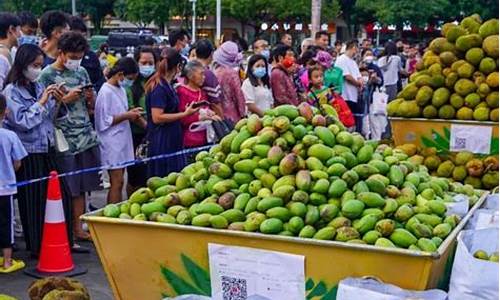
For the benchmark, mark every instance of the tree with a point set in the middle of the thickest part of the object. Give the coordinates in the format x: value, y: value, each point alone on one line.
x: 96, y: 10
x: 398, y: 12
x: 487, y: 9
x: 143, y: 12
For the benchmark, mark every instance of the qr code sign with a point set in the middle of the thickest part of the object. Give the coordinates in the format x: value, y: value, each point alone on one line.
x: 460, y: 143
x: 234, y: 288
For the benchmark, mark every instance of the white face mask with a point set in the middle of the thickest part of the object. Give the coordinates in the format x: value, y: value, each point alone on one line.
x: 369, y: 59
x: 32, y: 73
x: 72, y: 64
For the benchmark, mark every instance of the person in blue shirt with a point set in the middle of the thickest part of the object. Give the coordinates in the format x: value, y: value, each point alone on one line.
x: 32, y: 110
x: 11, y: 153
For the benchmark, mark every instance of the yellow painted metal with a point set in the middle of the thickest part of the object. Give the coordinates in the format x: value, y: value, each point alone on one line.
x: 133, y: 251
x: 406, y: 130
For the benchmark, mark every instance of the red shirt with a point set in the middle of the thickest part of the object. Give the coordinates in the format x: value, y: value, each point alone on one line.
x: 186, y: 96
x: 284, y: 91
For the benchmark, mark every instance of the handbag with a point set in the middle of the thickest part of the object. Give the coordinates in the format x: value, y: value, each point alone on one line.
x: 60, y: 142
x: 222, y: 128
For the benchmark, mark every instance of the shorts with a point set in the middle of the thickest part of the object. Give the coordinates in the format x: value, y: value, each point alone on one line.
x: 6, y: 221
x: 85, y: 182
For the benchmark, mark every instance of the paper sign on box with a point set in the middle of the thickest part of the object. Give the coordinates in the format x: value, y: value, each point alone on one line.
x: 249, y: 273
x: 476, y: 139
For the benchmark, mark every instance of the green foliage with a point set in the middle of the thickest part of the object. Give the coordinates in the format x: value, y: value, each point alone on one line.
x: 399, y: 11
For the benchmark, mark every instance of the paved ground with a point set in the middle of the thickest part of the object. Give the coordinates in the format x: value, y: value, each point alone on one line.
x: 95, y: 280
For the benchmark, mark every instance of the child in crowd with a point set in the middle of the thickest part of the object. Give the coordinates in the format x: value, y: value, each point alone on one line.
x: 320, y: 94
x: 112, y: 120
x: 11, y: 153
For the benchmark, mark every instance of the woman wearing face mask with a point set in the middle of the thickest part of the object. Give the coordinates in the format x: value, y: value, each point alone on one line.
x: 113, y: 117
x: 256, y: 88
x: 31, y: 116
x: 372, y: 79
x: 164, y: 130
x: 146, y: 59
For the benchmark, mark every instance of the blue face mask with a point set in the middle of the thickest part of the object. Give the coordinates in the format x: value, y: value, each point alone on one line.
x: 126, y: 83
x: 259, y: 72
x: 27, y: 39
x: 185, y: 50
x: 266, y: 53
x: 146, y: 70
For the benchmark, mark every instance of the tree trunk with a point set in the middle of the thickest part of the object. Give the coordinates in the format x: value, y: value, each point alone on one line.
x: 315, y: 16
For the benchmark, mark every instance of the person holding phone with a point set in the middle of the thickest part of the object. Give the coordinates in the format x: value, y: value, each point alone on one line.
x: 31, y: 112
x: 113, y: 118
x: 77, y: 105
x: 191, y: 92
x: 164, y: 129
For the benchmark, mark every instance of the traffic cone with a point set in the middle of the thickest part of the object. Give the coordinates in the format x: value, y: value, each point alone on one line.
x: 55, y: 254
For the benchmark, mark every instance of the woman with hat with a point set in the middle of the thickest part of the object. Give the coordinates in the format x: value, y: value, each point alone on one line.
x: 227, y: 59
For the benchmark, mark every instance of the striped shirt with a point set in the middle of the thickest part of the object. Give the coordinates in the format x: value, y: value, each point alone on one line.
x: 211, y: 87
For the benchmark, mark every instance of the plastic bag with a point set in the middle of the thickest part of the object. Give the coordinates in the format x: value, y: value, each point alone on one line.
x: 372, y: 289
x: 459, y: 206
x: 483, y: 218
x: 378, y: 123
x: 379, y: 103
x: 204, y: 126
x: 491, y: 202
x: 473, y: 278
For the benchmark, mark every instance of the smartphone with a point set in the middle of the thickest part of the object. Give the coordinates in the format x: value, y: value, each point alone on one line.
x: 201, y: 103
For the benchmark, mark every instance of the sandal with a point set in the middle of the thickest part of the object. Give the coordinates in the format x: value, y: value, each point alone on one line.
x: 79, y: 249
x: 83, y: 237
x: 16, y: 265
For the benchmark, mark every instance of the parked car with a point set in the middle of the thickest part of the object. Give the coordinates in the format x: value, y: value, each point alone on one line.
x: 126, y: 41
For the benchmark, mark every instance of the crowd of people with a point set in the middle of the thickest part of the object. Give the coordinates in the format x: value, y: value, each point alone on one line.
x: 64, y: 107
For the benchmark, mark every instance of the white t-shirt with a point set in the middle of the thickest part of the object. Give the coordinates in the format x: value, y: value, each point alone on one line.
x: 349, y: 67
x: 390, y: 68
x: 260, y: 95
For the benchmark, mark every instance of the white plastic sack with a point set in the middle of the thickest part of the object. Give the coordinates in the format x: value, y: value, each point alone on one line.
x: 483, y: 218
x: 371, y: 289
x: 379, y: 103
x: 202, y: 126
x: 459, y: 206
x: 472, y: 278
x: 378, y: 123
x: 491, y: 202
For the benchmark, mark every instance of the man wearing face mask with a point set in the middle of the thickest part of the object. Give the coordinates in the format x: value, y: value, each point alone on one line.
x: 261, y: 47
x: 29, y: 26
x: 53, y: 24
x: 9, y: 33
x: 179, y: 39
x: 90, y: 61
x: 76, y: 125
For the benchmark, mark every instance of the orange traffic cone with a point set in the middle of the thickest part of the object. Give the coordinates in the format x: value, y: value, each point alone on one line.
x: 55, y: 254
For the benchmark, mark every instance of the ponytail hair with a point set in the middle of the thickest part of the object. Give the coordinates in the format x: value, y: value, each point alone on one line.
x: 127, y: 65
x: 170, y: 60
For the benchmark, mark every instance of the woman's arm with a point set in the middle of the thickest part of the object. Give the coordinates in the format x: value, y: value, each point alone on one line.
x: 253, y: 108
x: 159, y: 117
x: 23, y: 116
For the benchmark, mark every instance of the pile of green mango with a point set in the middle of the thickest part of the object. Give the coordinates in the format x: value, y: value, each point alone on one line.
x: 298, y: 172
